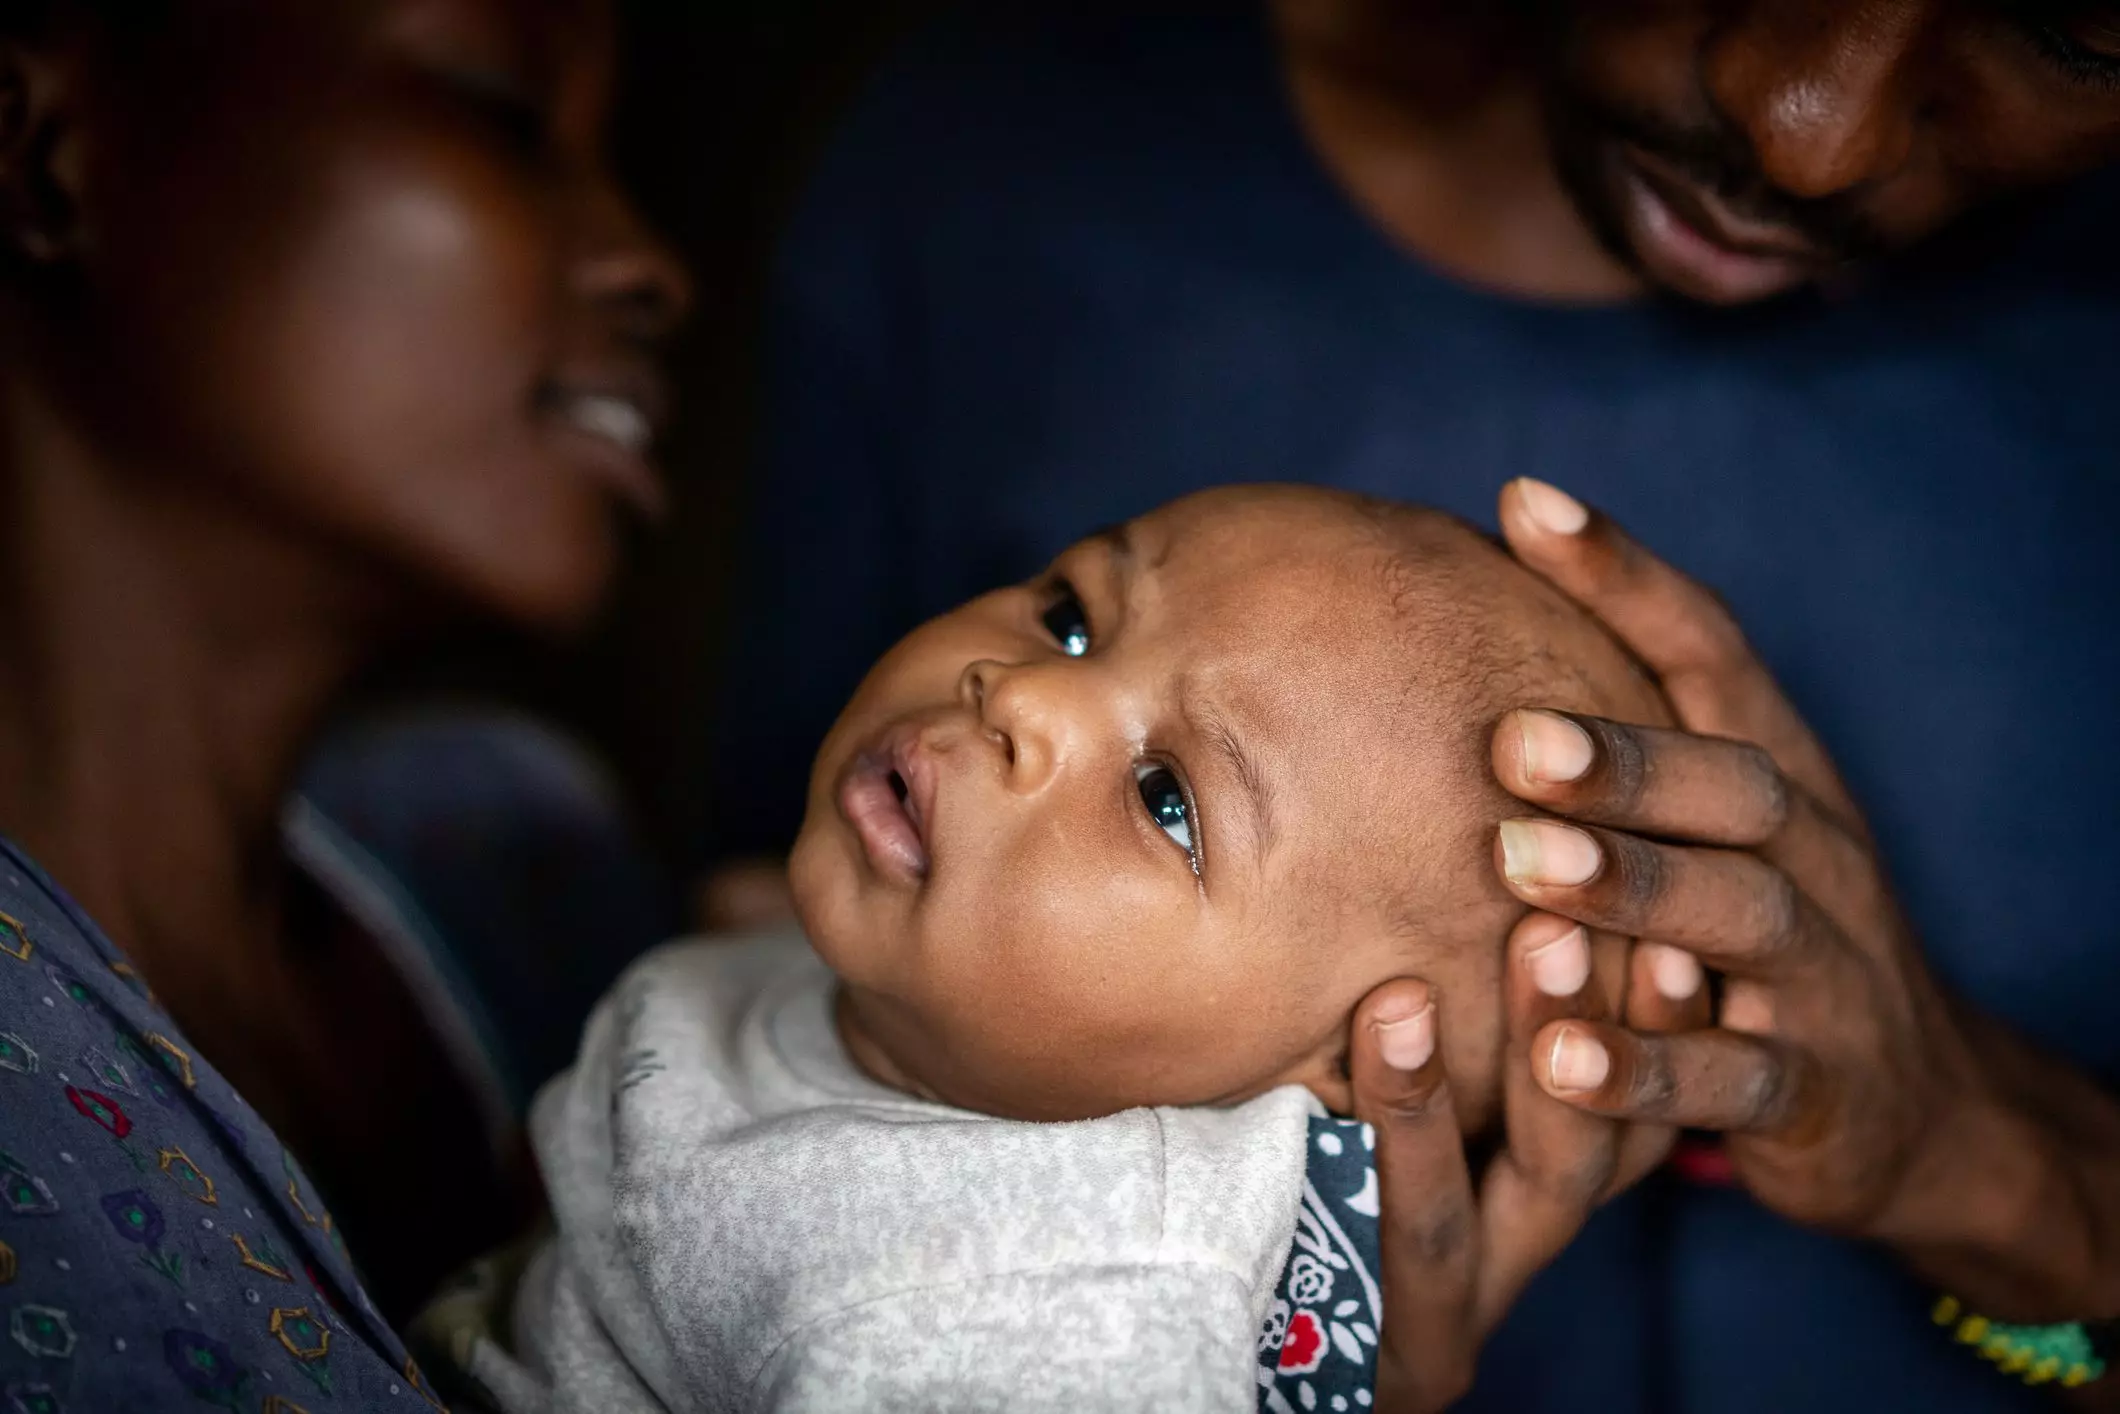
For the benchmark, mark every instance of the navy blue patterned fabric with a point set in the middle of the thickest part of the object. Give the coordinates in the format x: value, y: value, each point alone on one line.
x: 160, y: 1246
x: 1318, y: 1350
x: 159, y: 1249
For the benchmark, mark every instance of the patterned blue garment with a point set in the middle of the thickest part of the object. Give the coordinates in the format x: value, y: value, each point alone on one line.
x: 1318, y: 1350
x: 159, y: 1249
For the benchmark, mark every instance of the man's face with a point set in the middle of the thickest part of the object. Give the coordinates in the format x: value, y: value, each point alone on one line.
x: 1731, y: 151
x: 1098, y: 841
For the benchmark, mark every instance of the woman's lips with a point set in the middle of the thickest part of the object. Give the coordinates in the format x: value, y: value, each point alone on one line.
x: 887, y: 796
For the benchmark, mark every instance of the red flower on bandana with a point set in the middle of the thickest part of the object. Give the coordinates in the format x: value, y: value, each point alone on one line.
x: 102, y: 1109
x: 1303, y: 1348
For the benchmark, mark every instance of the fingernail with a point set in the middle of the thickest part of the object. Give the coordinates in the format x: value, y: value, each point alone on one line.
x: 1554, y: 510
x: 1556, y: 750
x: 1578, y: 1063
x: 1560, y: 968
x: 1541, y: 852
x: 1407, y: 1042
x: 1676, y: 973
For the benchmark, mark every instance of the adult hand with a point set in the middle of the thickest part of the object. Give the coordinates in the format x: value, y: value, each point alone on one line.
x: 1458, y: 1250
x: 1858, y: 1097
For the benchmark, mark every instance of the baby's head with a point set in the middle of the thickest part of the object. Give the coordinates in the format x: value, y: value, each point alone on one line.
x: 1145, y: 830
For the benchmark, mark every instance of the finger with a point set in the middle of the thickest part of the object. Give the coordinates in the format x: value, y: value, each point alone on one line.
x: 1684, y: 635
x: 1557, y: 1161
x: 1667, y: 990
x: 1649, y: 780
x: 1428, y: 1226
x: 1705, y: 790
x: 1711, y: 1079
x: 1734, y: 911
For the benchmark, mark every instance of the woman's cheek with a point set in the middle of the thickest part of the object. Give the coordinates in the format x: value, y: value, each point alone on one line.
x: 430, y: 302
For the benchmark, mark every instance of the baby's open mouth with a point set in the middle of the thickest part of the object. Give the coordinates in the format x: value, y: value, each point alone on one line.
x: 881, y: 799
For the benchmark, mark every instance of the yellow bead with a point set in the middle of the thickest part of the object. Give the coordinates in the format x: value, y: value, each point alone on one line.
x: 2077, y: 1375
x: 1946, y: 1310
x: 2043, y: 1371
x: 1972, y: 1330
x: 2019, y: 1361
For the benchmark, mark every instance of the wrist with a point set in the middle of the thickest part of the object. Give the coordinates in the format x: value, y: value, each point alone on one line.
x: 2003, y: 1212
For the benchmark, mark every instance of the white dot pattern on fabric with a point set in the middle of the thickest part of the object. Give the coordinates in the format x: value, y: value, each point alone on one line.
x: 62, y: 1264
x: 118, y: 1345
x: 206, y: 1223
x: 1317, y: 1346
x: 65, y: 1158
x: 49, y: 1002
x: 1361, y: 1397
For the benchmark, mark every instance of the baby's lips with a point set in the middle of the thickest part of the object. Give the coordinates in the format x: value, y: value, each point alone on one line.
x: 870, y: 805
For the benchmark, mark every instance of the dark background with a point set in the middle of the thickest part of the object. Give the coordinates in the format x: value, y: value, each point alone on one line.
x: 724, y: 104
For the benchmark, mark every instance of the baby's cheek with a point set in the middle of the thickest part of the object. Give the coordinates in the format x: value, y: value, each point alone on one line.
x: 1474, y: 1031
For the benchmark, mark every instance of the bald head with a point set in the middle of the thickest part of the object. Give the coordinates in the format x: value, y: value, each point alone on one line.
x: 1181, y: 802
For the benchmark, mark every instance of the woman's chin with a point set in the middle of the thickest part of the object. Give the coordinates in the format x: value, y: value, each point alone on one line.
x: 555, y: 591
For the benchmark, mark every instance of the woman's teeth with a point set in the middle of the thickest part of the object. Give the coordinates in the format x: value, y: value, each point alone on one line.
x: 614, y: 419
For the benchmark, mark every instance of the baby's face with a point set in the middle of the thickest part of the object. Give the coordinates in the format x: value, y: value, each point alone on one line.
x: 1142, y: 832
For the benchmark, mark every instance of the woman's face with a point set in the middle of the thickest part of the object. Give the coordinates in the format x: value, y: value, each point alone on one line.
x: 358, y: 269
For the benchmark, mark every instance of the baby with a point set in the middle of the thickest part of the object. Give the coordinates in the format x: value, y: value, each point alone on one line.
x: 1094, y: 872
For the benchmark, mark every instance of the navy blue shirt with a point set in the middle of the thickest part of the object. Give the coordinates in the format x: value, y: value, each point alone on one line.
x: 1056, y: 271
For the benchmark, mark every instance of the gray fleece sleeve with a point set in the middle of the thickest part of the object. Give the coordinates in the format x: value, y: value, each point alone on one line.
x: 1166, y: 1337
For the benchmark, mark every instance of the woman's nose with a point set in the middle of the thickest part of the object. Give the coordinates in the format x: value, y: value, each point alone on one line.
x: 1024, y: 710
x: 629, y: 271
x: 1828, y: 91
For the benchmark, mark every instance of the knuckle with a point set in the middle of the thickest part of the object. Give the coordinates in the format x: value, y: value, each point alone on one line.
x: 1717, y: 637
x: 1624, y: 772
x: 1774, y: 915
x: 1766, y: 786
x: 1571, y: 1184
x: 1442, y: 1238
x: 1637, y: 876
x: 1415, y: 1110
x: 1651, y: 1083
x: 1765, y: 1095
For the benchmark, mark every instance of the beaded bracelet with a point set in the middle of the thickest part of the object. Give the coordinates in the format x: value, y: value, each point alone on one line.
x: 2063, y: 1355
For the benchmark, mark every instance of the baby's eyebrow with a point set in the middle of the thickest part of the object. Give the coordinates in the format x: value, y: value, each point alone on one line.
x: 1125, y: 547
x: 1253, y: 784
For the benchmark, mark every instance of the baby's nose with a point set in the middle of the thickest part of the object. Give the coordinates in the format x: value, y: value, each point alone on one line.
x: 1027, y: 711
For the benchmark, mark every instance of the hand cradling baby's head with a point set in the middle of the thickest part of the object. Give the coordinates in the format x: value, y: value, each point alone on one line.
x: 1145, y: 830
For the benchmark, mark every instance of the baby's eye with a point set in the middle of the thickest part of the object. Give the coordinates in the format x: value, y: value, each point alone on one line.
x: 1167, y: 806
x: 1067, y: 621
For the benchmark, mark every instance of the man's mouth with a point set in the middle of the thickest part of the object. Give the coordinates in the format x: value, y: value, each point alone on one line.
x: 887, y: 794
x: 1692, y: 240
